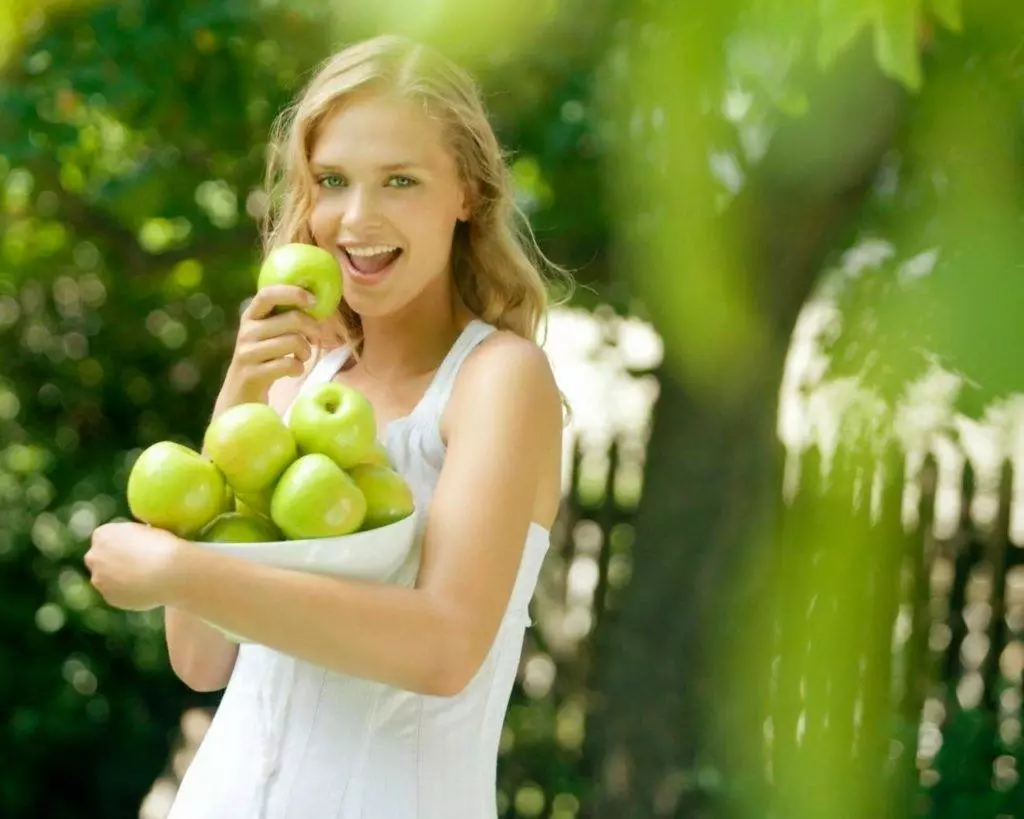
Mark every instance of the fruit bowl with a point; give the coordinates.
(375, 554)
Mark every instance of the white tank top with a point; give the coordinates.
(292, 740)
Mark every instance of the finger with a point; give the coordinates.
(291, 321)
(276, 296)
(270, 349)
(280, 368)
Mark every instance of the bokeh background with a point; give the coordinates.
(787, 580)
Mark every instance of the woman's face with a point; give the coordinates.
(386, 201)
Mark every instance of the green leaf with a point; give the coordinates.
(896, 40)
(949, 13)
(841, 21)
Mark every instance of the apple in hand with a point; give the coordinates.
(336, 421)
(309, 267)
(251, 445)
(316, 498)
(235, 527)
(175, 488)
(388, 497)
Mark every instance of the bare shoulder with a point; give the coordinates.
(508, 370)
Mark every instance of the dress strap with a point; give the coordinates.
(440, 390)
(323, 371)
(327, 367)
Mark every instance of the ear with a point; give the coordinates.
(465, 204)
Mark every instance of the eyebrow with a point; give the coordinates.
(391, 167)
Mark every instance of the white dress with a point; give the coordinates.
(292, 740)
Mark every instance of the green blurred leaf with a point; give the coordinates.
(948, 12)
(897, 34)
(841, 21)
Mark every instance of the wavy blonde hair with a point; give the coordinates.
(498, 269)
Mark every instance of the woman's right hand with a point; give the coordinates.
(274, 340)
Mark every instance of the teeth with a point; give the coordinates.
(370, 251)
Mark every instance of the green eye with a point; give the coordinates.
(401, 182)
(330, 180)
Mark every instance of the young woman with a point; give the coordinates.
(386, 700)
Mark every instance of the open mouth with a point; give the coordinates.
(372, 263)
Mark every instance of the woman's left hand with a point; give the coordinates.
(131, 565)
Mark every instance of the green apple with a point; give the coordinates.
(336, 421)
(388, 497)
(235, 527)
(315, 498)
(251, 445)
(309, 267)
(377, 455)
(175, 488)
(255, 503)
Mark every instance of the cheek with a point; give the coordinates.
(426, 225)
(322, 222)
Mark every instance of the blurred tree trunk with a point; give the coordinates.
(707, 479)
(663, 718)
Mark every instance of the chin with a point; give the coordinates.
(370, 305)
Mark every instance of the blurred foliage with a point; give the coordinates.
(721, 116)
(724, 114)
(935, 274)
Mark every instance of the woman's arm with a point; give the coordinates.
(503, 421)
(201, 656)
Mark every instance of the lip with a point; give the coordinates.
(365, 278)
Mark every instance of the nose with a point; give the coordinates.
(361, 208)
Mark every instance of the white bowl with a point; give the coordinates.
(372, 555)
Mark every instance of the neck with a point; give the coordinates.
(413, 341)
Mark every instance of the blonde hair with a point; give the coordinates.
(496, 263)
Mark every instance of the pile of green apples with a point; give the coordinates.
(259, 479)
